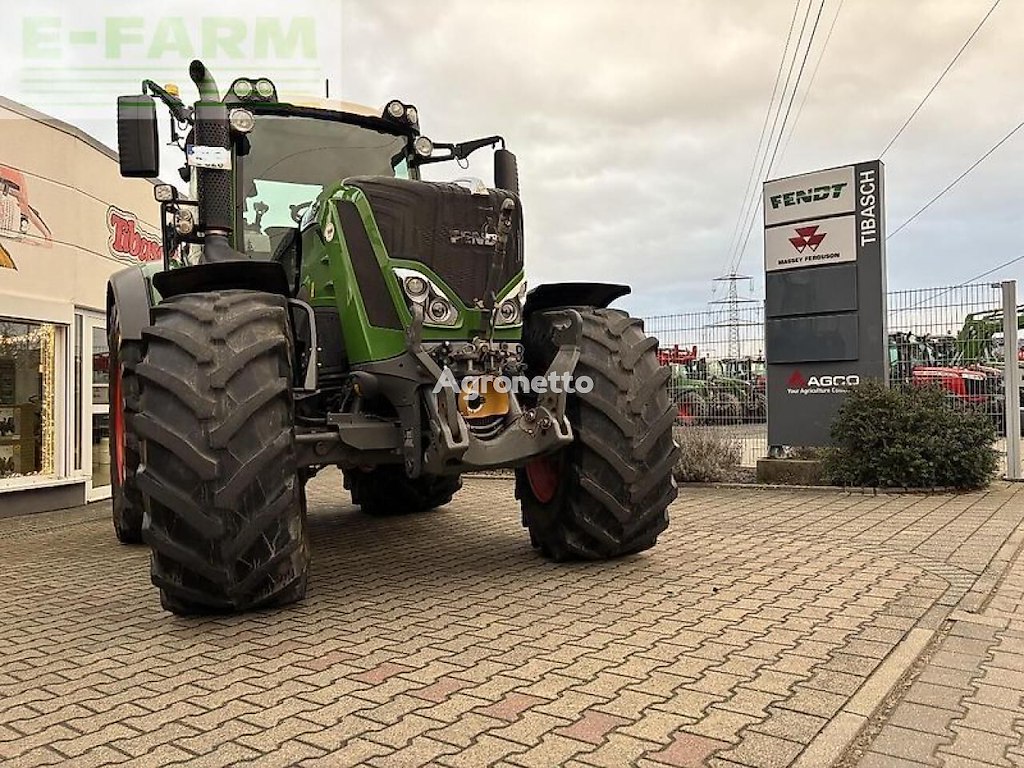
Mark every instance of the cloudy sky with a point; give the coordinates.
(636, 123)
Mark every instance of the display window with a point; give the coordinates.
(27, 384)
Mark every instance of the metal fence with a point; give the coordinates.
(950, 336)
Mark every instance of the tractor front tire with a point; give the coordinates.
(386, 491)
(607, 493)
(225, 515)
(126, 499)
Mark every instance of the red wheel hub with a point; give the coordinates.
(543, 475)
(117, 427)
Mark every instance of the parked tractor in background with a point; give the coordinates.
(912, 360)
(689, 396)
(715, 392)
(329, 301)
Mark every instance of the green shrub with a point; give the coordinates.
(705, 456)
(909, 437)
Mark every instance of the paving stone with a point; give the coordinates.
(761, 750)
(933, 695)
(980, 745)
(787, 724)
(689, 750)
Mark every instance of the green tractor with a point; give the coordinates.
(321, 305)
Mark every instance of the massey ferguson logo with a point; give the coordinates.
(807, 237)
(128, 241)
(798, 384)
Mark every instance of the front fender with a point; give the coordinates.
(131, 290)
(552, 295)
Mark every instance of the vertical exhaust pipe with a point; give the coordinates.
(216, 213)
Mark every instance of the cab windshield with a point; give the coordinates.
(292, 158)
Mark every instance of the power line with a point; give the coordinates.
(736, 253)
(969, 280)
(810, 85)
(957, 180)
(778, 140)
(936, 85)
(761, 139)
(796, 85)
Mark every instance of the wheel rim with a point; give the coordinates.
(117, 422)
(542, 474)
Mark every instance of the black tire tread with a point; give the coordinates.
(225, 518)
(386, 491)
(617, 476)
(126, 499)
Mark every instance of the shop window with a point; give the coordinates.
(27, 429)
(100, 408)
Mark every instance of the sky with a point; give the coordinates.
(635, 123)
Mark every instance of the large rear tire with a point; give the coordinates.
(386, 491)
(607, 493)
(126, 500)
(225, 516)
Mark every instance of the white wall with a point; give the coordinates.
(72, 181)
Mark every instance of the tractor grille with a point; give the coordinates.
(442, 226)
(977, 387)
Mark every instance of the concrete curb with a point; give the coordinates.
(830, 746)
(849, 491)
(833, 489)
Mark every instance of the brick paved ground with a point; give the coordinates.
(965, 706)
(765, 629)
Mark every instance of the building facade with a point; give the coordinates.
(67, 222)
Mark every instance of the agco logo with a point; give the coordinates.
(812, 195)
(798, 383)
(807, 237)
(128, 241)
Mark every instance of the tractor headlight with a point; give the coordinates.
(510, 309)
(438, 310)
(424, 147)
(242, 88)
(184, 222)
(395, 109)
(411, 114)
(241, 120)
(416, 287)
(264, 88)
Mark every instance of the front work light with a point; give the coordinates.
(423, 146)
(241, 120)
(163, 193)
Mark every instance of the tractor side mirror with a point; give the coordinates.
(137, 138)
(506, 171)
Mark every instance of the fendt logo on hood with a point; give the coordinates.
(128, 241)
(798, 384)
(807, 237)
